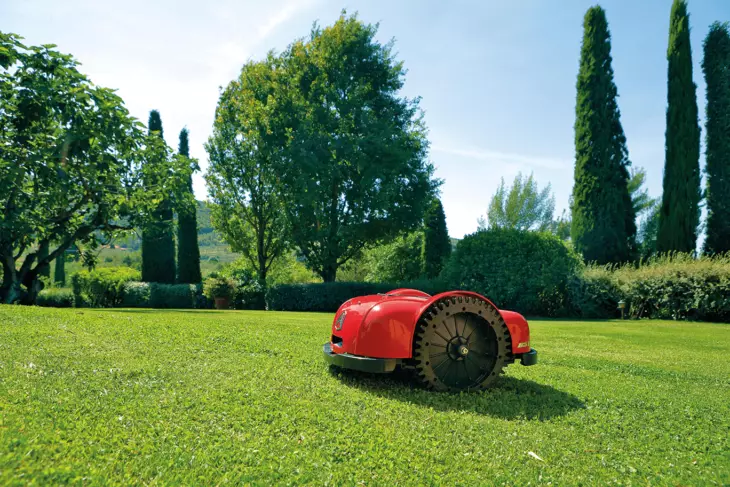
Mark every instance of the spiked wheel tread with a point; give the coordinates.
(461, 343)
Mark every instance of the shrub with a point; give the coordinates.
(181, 296)
(246, 291)
(248, 295)
(328, 296)
(218, 287)
(528, 272)
(56, 298)
(102, 288)
(136, 295)
(595, 293)
(678, 287)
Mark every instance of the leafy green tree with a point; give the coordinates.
(679, 216)
(640, 199)
(648, 230)
(561, 226)
(603, 224)
(716, 67)
(59, 272)
(436, 241)
(524, 207)
(354, 169)
(158, 244)
(188, 252)
(396, 261)
(242, 178)
(646, 210)
(71, 164)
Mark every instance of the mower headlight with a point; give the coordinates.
(340, 321)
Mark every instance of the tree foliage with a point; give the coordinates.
(71, 163)
(603, 225)
(158, 243)
(716, 67)
(646, 210)
(523, 207)
(188, 252)
(436, 241)
(640, 199)
(679, 216)
(354, 170)
(242, 176)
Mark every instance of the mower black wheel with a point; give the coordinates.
(461, 343)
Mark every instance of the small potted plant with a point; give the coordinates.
(219, 290)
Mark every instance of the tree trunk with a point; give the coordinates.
(261, 254)
(329, 273)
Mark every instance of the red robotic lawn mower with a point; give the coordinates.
(455, 341)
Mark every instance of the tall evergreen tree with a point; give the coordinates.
(436, 241)
(188, 253)
(716, 66)
(158, 245)
(59, 272)
(680, 212)
(603, 224)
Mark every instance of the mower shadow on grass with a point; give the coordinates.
(510, 398)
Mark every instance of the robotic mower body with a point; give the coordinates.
(456, 340)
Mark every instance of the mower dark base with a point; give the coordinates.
(355, 362)
(386, 365)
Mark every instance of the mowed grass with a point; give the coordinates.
(164, 397)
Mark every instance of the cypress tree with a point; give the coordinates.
(680, 212)
(716, 66)
(158, 245)
(603, 224)
(59, 272)
(436, 241)
(188, 253)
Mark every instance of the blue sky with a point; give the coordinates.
(497, 78)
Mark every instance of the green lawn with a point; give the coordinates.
(164, 397)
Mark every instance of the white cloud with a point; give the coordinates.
(518, 161)
(287, 12)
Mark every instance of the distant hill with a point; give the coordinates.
(213, 249)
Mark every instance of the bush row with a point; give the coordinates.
(328, 296)
(532, 273)
(56, 298)
(675, 287)
(156, 295)
(538, 275)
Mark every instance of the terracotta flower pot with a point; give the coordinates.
(221, 303)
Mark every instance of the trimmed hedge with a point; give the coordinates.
(328, 296)
(56, 298)
(103, 287)
(678, 287)
(156, 295)
(595, 294)
(528, 272)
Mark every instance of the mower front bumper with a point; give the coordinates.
(356, 362)
(529, 358)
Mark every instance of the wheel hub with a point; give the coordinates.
(457, 348)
